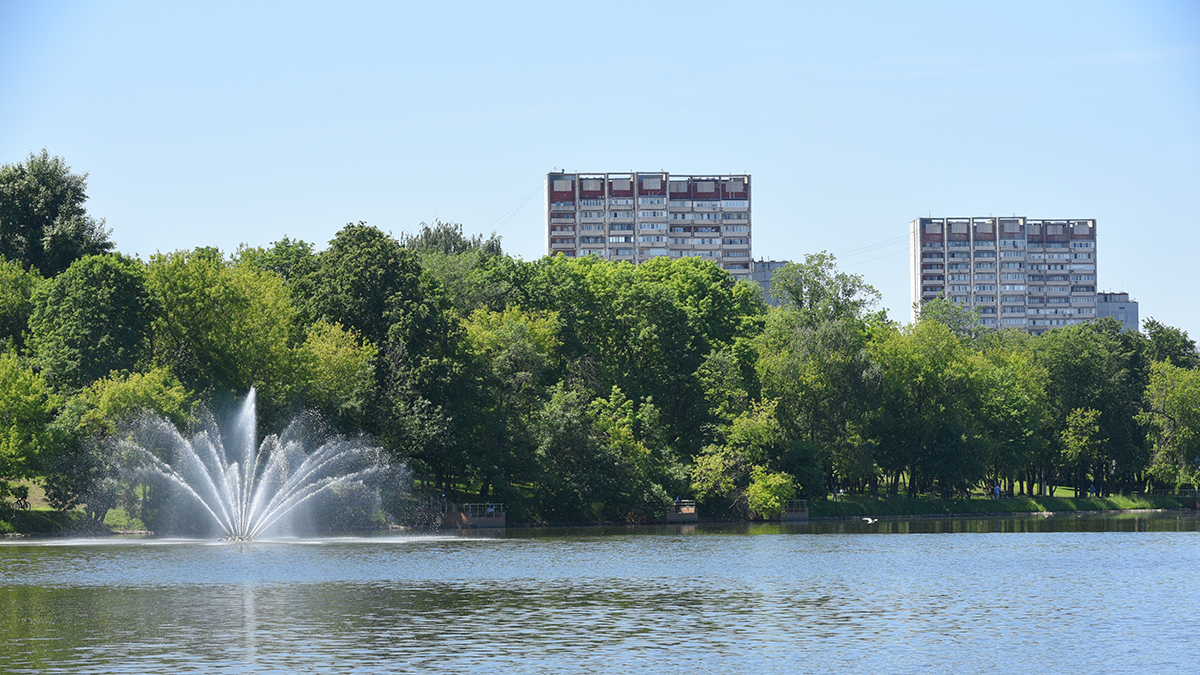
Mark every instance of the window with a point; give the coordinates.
(1083, 277)
(592, 226)
(736, 228)
(652, 201)
(742, 242)
(985, 277)
(985, 287)
(1010, 265)
(735, 203)
(591, 240)
(960, 277)
(652, 214)
(620, 240)
(742, 215)
(623, 201)
(621, 214)
(651, 239)
(591, 202)
(1012, 277)
(652, 226)
(1012, 287)
(591, 214)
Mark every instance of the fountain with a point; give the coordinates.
(247, 487)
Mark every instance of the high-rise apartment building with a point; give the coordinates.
(1016, 272)
(638, 216)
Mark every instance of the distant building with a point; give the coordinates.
(1015, 272)
(763, 272)
(1119, 307)
(639, 216)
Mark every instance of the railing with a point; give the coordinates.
(684, 506)
(479, 510)
(795, 506)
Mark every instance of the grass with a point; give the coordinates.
(854, 505)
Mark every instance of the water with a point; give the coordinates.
(1093, 594)
(247, 488)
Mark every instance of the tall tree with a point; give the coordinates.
(92, 319)
(1171, 345)
(43, 223)
(819, 291)
(16, 301)
(1173, 417)
(927, 423)
(1098, 366)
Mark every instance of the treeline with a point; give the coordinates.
(569, 389)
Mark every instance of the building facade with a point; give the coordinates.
(763, 273)
(1119, 307)
(638, 216)
(1016, 272)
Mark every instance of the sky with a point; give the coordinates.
(218, 124)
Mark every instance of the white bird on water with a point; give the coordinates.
(871, 520)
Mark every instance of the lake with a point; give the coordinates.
(1096, 593)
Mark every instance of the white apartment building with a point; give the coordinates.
(1016, 272)
(637, 216)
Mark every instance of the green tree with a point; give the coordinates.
(225, 328)
(822, 375)
(512, 353)
(926, 423)
(291, 259)
(1170, 344)
(16, 301)
(768, 492)
(1083, 445)
(43, 223)
(85, 469)
(820, 292)
(93, 318)
(338, 369)
(27, 409)
(963, 321)
(1103, 367)
(1172, 416)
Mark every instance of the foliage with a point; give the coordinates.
(1173, 345)
(768, 492)
(16, 301)
(92, 319)
(43, 223)
(820, 293)
(1172, 416)
(338, 369)
(27, 408)
(224, 328)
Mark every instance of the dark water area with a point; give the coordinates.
(1095, 593)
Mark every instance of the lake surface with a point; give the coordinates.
(1088, 594)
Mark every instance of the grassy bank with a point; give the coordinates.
(853, 505)
(42, 521)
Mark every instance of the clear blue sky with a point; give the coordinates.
(220, 123)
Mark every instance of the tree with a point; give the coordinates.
(1083, 445)
(85, 469)
(92, 319)
(820, 292)
(1100, 366)
(963, 321)
(291, 259)
(822, 375)
(338, 374)
(1173, 417)
(27, 408)
(448, 239)
(926, 423)
(769, 492)
(1170, 344)
(16, 301)
(512, 354)
(43, 223)
(225, 328)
